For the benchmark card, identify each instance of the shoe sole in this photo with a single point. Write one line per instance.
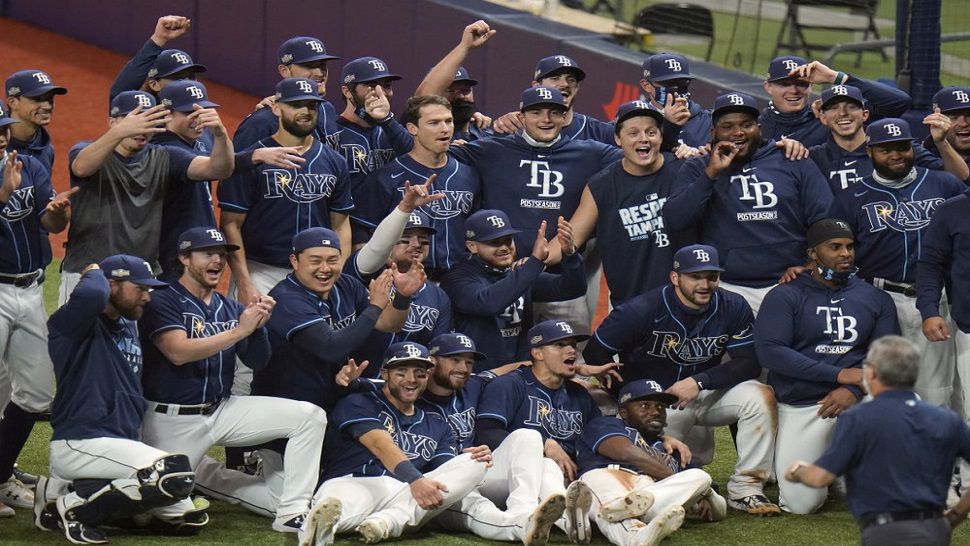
(767, 510)
(371, 532)
(578, 500)
(6, 511)
(541, 521)
(633, 505)
(321, 521)
(661, 527)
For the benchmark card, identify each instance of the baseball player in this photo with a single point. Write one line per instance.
(666, 85)
(192, 336)
(844, 157)
(123, 179)
(811, 335)
(789, 113)
(889, 212)
(949, 130)
(677, 335)
(298, 57)
(746, 197)
(543, 397)
(28, 211)
(641, 492)
(98, 409)
(430, 120)
(452, 81)
(152, 67)
(563, 74)
(30, 100)
(392, 466)
(264, 208)
(492, 294)
(621, 205)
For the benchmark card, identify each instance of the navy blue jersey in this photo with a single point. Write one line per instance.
(518, 400)
(279, 203)
(40, 148)
(599, 429)
(945, 261)
(806, 333)
(263, 124)
(661, 339)
(383, 189)
(532, 184)
(24, 246)
(295, 372)
(695, 133)
(200, 382)
(367, 149)
(637, 247)
(133, 74)
(494, 307)
(459, 408)
(844, 168)
(97, 363)
(474, 132)
(424, 437)
(889, 223)
(584, 127)
(767, 203)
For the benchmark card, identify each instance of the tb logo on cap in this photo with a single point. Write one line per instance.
(961, 96)
(414, 219)
(315, 46)
(654, 386)
(565, 327)
(701, 255)
(42, 78)
(789, 64)
(544, 93)
(215, 234)
(840, 90)
(180, 58)
(640, 105)
(673, 64)
(305, 87)
(195, 92)
(496, 221)
(412, 351)
(736, 100)
(893, 130)
(144, 101)
(564, 60)
(465, 341)
(377, 65)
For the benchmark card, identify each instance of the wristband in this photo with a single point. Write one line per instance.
(400, 301)
(406, 472)
(385, 120)
(840, 78)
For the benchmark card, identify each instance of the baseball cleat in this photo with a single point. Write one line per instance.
(13, 493)
(6, 511)
(289, 524)
(320, 523)
(579, 498)
(540, 522)
(74, 530)
(26, 478)
(373, 530)
(660, 527)
(633, 505)
(756, 505)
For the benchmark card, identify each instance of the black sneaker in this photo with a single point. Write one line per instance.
(291, 525)
(75, 531)
(756, 505)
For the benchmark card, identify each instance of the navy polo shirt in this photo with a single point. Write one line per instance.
(897, 453)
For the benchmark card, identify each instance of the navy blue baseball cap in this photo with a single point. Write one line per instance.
(645, 389)
(735, 102)
(314, 237)
(297, 89)
(694, 258)
(365, 69)
(454, 344)
(5, 118)
(666, 66)
(842, 93)
(541, 96)
(488, 225)
(888, 130)
(635, 108)
(950, 99)
(406, 352)
(556, 63)
(172, 61)
(31, 83)
(552, 330)
(303, 49)
(126, 101)
(180, 95)
(780, 67)
(420, 220)
(463, 76)
(201, 237)
(123, 267)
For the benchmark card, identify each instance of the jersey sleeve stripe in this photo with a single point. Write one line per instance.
(495, 416)
(603, 438)
(232, 207)
(604, 343)
(298, 327)
(167, 328)
(335, 209)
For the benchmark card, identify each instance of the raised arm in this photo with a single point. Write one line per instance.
(442, 74)
(138, 122)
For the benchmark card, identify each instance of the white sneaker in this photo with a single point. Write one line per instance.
(660, 527)
(373, 530)
(579, 498)
(14, 493)
(540, 522)
(6, 511)
(319, 527)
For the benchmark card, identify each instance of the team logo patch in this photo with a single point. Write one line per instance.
(349, 78)
(13, 90)
(184, 244)
(120, 273)
(287, 58)
(535, 339)
(152, 72)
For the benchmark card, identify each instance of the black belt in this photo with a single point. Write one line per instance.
(202, 409)
(882, 518)
(25, 280)
(903, 288)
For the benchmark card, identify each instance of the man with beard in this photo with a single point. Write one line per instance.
(123, 180)
(677, 336)
(812, 335)
(641, 493)
(746, 197)
(192, 336)
(392, 466)
(950, 128)
(429, 119)
(98, 409)
(30, 100)
(844, 157)
(665, 84)
(889, 211)
(263, 209)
